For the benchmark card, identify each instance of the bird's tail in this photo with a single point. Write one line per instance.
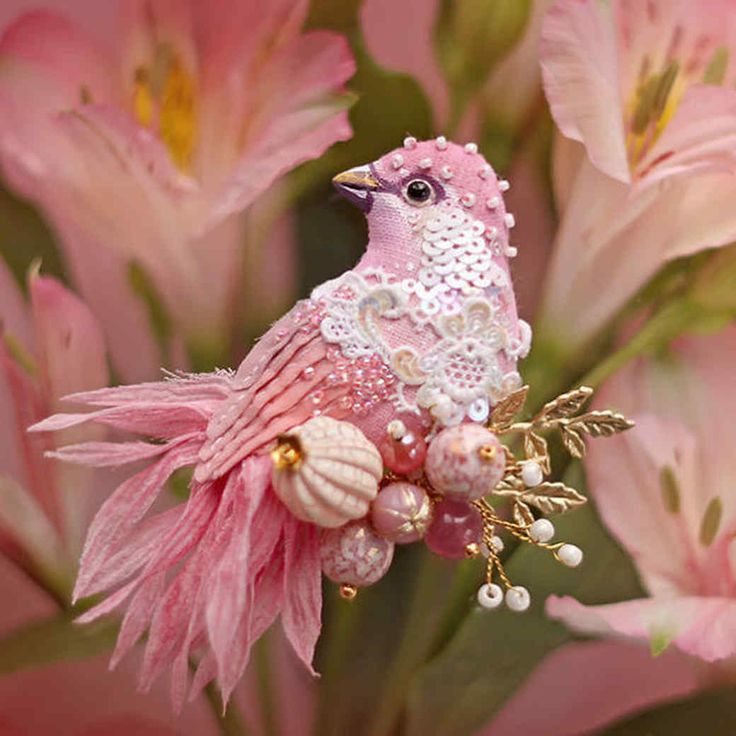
(207, 575)
(172, 415)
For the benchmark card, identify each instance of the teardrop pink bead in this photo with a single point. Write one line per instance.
(401, 512)
(405, 455)
(455, 524)
(355, 555)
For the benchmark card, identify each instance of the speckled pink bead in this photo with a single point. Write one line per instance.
(465, 462)
(354, 554)
(401, 512)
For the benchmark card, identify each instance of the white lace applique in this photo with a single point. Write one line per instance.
(461, 375)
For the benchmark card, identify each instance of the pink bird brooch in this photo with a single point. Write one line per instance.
(369, 415)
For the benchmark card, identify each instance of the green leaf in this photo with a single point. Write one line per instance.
(54, 639)
(492, 653)
(471, 38)
(711, 713)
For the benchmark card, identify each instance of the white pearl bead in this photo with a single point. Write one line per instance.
(518, 598)
(570, 555)
(542, 530)
(490, 596)
(532, 473)
(497, 543)
(396, 429)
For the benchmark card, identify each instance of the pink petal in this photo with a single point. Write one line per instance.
(150, 419)
(126, 507)
(702, 627)
(70, 345)
(173, 546)
(306, 118)
(229, 579)
(580, 72)
(137, 551)
(399, 36)
(584, 686)
(138, 615)
(102, 454)
(26, 533)
(21, 455)
(56, 46)
(302, 614)
(700, 137)
(627, 474)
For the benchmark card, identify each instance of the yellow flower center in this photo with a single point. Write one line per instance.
(164, 100)
(652, 106)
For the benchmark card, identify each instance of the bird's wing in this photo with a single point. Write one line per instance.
(279, 385)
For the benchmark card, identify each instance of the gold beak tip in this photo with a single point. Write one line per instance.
(356, 180)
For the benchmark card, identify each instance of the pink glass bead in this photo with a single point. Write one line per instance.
(404, 455)
(465, 462)
(401, 512)
(455, 525)
(355, 555)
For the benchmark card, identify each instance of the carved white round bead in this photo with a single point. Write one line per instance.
(542, 530)
(327, 472)
(490, 596)
(570, 555)
(532, 473)
(518, 598)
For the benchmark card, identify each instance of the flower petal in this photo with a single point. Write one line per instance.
(583, 686)
(702, 627)
(302, 614)
(306, 116)
(580, 73)
(70, 345)
(700, 137)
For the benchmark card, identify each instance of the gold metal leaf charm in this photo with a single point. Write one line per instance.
(565, 405)
(506, 409)
(573, 440)
(535, 446)
(523, 515)
(553, 498)
(601, 423)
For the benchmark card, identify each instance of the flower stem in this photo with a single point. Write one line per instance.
(265, 689)
(420, 627)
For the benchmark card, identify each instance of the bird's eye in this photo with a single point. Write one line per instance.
(418, 192)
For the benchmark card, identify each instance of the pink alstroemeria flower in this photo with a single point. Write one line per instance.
(47, 349)
(647, 88)
(144, 147)
(665, 490)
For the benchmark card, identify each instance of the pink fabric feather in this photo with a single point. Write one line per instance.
(208, 577)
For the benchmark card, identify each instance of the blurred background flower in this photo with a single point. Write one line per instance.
(145, 148)
(170, 162)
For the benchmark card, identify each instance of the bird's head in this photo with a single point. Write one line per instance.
(414, 187)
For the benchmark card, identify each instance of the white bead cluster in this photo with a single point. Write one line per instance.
(491, 596)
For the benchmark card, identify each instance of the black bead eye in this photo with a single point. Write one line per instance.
(418, 192)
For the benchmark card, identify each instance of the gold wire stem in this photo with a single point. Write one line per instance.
(494, 561)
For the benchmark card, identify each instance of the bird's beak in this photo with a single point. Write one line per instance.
(356, 186)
